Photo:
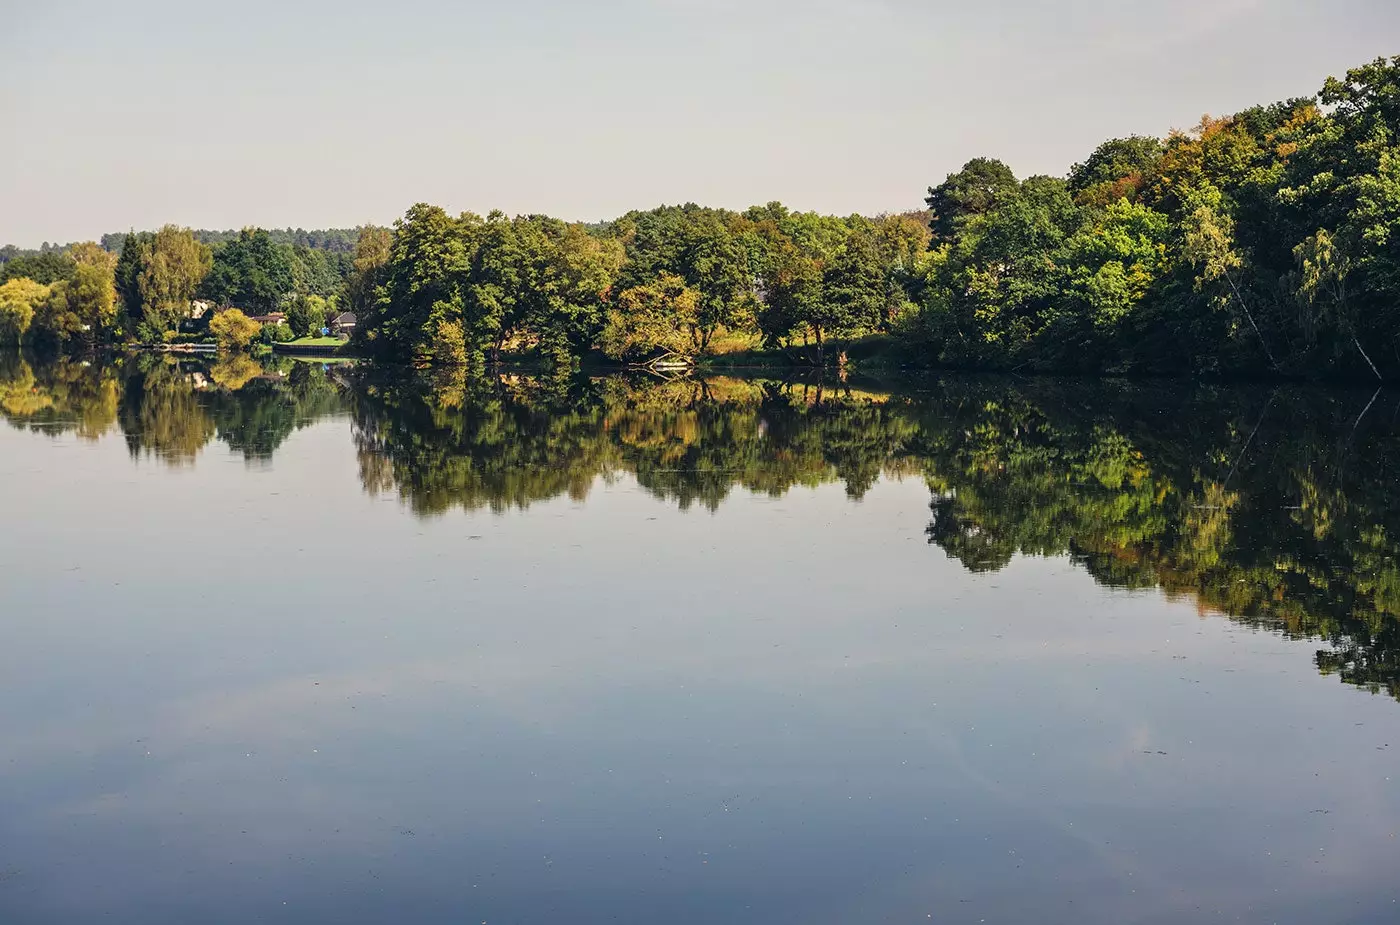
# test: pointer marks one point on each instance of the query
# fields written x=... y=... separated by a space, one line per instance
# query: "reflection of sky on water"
x=241 y=694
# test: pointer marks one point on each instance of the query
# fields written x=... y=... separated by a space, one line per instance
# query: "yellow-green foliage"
x=233 y=330
x=19 y=298
x=234 y=371
x=659 y=318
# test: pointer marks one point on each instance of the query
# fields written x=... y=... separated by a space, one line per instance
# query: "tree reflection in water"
x=1279 y=508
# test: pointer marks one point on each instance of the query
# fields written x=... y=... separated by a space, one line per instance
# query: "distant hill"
x=336 y=240
x=340 y=240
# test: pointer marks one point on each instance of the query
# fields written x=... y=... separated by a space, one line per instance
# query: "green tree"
x=92 y=295
x=792 y=281
x=577 y=271
x=372 y=250
x=251 y=271
x=989 y=290
x=501 y=280
x=854 y=288
x=716 y=263
x=135 y=253
x=1118 y=169
x=975 y=190
x=319 y=272
x=429 y=265
x=1109 y=266
x=82 y=308
x=46 y=267
x=306 y=315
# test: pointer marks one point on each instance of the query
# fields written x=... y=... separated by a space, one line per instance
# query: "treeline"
x=341 y=240
x=337 y=240
x=84 y=294
x=1262 y=243
x=462 y=289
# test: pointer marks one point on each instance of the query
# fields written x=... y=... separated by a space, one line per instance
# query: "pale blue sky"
x=331 y=114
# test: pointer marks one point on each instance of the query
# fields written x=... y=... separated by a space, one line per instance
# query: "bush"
x=233 y=330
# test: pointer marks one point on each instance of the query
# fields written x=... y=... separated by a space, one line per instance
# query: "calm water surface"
x=286 y=644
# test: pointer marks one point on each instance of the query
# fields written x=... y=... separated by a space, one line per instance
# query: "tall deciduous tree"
x=92 y=254
x=251 y=272
x=372 y=252
x=1118 y=169
x=654 y=320
x=82 y=308
x=975 y=190
x=170 y=276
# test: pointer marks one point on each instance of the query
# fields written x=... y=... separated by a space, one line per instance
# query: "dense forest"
x=340 y=240
x=1274 y=507
x=1262 y=243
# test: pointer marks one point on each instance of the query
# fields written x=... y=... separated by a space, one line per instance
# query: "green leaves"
x=977 y=189
x=253 y=272
x=1116 y=170
x=457 y=289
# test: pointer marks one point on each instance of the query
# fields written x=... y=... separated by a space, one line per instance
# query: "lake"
x=294 y=643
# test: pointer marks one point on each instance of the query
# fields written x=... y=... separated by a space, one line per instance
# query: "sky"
x=302 y=114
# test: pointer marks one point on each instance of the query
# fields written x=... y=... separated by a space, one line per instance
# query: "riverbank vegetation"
x=1265 y=243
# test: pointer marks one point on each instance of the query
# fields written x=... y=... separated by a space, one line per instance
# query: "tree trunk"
x=1366 y=358
x=1240 y=299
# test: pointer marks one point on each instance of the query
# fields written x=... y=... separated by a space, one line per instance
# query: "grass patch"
x=315 y=342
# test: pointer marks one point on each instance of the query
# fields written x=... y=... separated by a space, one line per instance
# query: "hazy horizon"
x=282 y=115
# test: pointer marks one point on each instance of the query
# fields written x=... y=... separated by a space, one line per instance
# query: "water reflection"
x=514 y=440
x=1278 y=508
x=169 y=407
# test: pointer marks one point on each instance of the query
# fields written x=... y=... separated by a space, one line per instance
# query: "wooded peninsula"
x=1263 y=243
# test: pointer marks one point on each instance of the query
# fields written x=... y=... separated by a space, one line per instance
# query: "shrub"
x=233 y=330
